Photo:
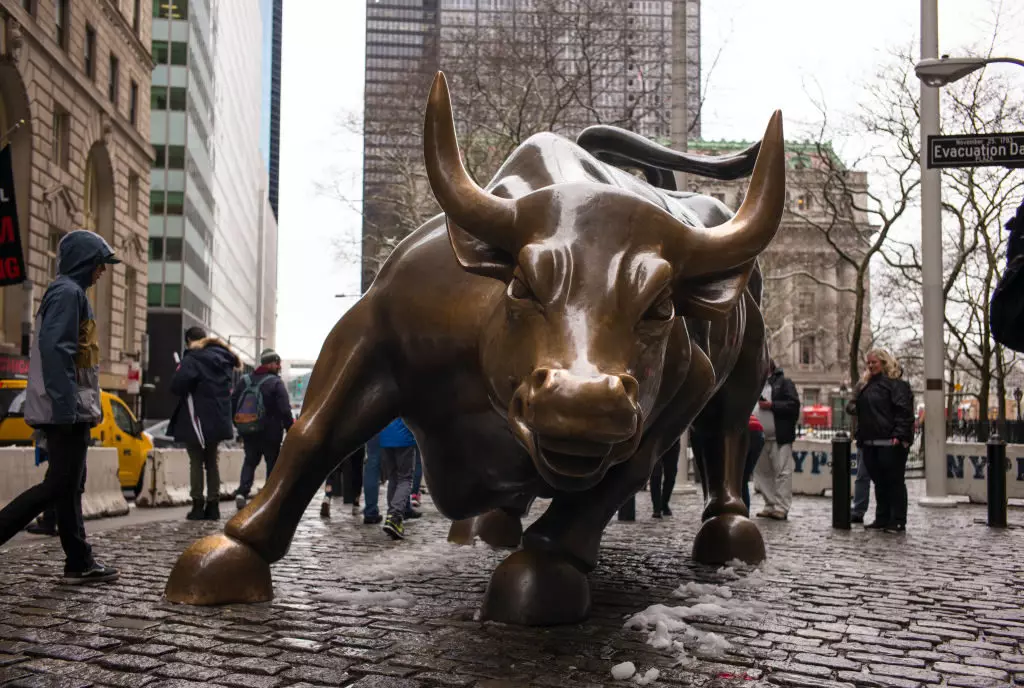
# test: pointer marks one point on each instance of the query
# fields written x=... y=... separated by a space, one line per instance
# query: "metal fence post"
x=996 y=450
x=627 y=512
x=841 y=481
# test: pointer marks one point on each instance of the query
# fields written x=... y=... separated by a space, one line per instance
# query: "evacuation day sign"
x=976 y=150
x=12 y=260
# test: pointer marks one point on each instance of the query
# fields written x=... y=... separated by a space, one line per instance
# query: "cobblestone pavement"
x=939 y=606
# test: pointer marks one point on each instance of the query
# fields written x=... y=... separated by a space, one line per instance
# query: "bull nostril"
x=631 y=386
x=540 y=377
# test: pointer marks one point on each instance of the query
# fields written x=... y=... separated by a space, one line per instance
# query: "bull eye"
x=518 y=290
x=661 y=310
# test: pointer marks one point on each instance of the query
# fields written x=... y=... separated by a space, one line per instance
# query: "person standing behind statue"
x=202 y=418
x=663 y=480
x=884 y=407
x=62 y=401
x=263 y=413
x=756 y=444
x=778 y=411
x=397 y=463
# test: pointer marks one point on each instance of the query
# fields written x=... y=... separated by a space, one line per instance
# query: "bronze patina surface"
x=549 y=336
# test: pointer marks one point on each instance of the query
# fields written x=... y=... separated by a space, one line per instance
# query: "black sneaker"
x=37 y=527
x=877 y=525
x=394 y=528
x=412 y=515
x=372 y=520
x=895 y=529
x=211 y=512
x=198 y=512
x=325 y=509
x=665 y=511
x=857 y=518
x=97 y=573
x=656 y=514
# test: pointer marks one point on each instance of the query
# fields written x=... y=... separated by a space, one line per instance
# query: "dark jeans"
x=753 y=454
x=663 y=477
x=417 y=478
x=887 y=467
x=861 y=489
x=61 y=487
x=352 y=477
x=399 y=465
x=371 y=478
x=257 y=448
x=200 y=459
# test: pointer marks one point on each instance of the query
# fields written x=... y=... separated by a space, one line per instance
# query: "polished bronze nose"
x=595 y=408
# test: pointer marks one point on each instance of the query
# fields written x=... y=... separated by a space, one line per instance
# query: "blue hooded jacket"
x=63 y=377
x=396 y=434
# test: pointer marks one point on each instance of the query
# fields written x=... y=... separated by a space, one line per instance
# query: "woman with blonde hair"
x=884 y=405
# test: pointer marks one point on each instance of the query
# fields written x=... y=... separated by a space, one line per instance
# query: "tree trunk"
x=1001 y=387
x=858 y=327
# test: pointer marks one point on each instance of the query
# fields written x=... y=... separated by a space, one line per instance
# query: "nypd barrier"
x=812 y=466
x=102 y=497
x=167 y=477
x=967 y=466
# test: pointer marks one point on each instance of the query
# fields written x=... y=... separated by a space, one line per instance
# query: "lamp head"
x=945 y=70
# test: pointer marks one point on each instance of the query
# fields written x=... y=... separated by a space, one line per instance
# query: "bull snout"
x=560 y=406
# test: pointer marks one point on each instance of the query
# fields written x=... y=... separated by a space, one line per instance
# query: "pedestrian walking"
x=398 y=464
x=754 y=447
x=262 y=415
x=202 y=419
x=345 y=480
x=663 y=480
x=62 y=401
x=884 y=405
x=371 y=483
x=778 y=411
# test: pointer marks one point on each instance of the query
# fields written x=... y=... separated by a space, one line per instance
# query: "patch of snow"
x=365 y=598
x=623 y=671
x=728 y=572
x=650 y=677
x=736 y=563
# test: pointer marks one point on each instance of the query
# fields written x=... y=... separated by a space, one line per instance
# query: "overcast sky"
x=771 y=55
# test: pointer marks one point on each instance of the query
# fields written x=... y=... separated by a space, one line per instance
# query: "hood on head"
x=78 y=254
x=221 y=347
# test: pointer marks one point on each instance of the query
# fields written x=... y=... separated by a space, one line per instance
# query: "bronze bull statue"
x=550 y=336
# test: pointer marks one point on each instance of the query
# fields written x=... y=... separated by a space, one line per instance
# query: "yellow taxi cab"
x=118 y=429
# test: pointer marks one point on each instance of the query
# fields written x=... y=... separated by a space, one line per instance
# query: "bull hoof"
x=722 y=539
x=461 y=532
x=219 y=570
x=498 y=528
x=535 y=588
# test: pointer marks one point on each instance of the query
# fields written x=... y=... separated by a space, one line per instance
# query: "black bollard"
x=627 y=512
x=841 y=481
x=996 y=450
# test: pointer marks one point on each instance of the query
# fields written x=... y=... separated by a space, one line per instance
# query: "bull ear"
x=711 y=297
x=479 y=257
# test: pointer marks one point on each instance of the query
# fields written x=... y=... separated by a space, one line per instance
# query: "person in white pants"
x=778 y=410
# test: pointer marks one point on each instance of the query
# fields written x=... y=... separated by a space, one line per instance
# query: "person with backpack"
x=202 y=419
x=263 y=413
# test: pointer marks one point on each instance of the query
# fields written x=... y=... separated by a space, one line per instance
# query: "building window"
x=133 y=196
x=177 y=98
x=805 y=303
x=63 y=21
x=53 y=241
x=170 y=9
x=115 y=67
x=179 y=53
x=131 y=296
x=90 y=51
x=153 y=294
x=172 y=249
x=160 y=51
x=156 y=248
x=60 y=154
x=810 y=396
x=157 y=201
x=176 y=157
x=804 y=202
x=807 y=350
x=158 y=98
x=29 y=6
x=175 y=203
x=172 y=295
x=136 y=16
x=133 y=104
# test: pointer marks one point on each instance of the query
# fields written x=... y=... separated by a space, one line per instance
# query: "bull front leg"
x=545 y=583
x=350 y=397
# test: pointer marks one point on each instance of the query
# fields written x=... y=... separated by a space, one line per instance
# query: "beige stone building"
x=808 y=306
x=78 y=73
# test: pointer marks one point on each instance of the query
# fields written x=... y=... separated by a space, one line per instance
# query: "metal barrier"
x=996 y=451
x=841 y=481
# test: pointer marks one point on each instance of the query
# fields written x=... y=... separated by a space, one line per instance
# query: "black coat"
x=205 y=372
x=885 y=410
x=277 y=407
x=785 y=407
x=1006 y=315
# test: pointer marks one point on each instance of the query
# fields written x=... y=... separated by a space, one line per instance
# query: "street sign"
x=976 y=150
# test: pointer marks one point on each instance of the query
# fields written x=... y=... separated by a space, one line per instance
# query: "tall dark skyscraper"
x=273 y=15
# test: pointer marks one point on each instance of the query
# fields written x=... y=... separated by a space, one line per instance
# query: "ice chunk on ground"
x=623 y=671
x=692 y=589
x=728 y=572
x=650 y=677
x=364 y=597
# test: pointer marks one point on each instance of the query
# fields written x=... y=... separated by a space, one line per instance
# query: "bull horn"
x=482 y=214
x=742 y=238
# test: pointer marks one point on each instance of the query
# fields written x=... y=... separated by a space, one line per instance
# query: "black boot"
x=212 y=511
x=198 y=512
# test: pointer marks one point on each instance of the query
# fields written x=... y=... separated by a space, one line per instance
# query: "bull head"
x=596 y=279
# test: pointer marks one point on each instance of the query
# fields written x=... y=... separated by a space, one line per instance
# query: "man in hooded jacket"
x=202 y=419
x=62 y=401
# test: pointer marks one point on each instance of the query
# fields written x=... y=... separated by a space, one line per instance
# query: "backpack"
x=250 y=412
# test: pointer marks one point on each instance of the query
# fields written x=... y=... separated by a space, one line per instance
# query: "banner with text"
x=12 y=258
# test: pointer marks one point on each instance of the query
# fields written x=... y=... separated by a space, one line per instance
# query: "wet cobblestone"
x=941 y=606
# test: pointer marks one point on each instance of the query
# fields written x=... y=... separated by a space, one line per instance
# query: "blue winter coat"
x=205 y=373
x=396 y=435
x=64 y=363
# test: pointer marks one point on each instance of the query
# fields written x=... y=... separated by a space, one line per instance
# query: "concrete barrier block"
x=103 y=496
x=168 y=483
x=967 y=471
x=812 y=467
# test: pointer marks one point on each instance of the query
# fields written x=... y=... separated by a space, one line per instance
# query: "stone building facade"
x=808 y=303
x=78 y=73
